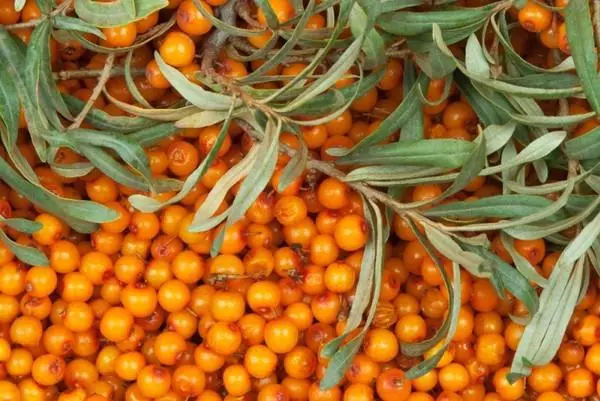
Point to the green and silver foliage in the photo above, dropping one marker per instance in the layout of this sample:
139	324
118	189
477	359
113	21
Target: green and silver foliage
501	86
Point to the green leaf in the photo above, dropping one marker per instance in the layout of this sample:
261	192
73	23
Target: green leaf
150	205
409	23
403	113
449	248
325	81
22	225
414	126
38	75
193	93
340	361
496	136
19	4
201	119
521	263
580	34
499	206
105	121
449	153
128	150
285	49
109	166
509	278
75	24
471	169
325	103
480	74
487	112
294	168
435	64
13	55
116	13
137	96
151	136
585	146
256	180
373	46
28	255
221	189
77	213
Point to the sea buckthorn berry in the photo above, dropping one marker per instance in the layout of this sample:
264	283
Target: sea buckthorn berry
26	330
351	232
459	115
532	250
453	377
300	363
120	36
381	345
191	20
260	361
333	194
224	338
545	378
40	281
48	370
153	381
505	389
283	10
339	277
178	49
392	385
116	324
490	349
411	328
236	380
263	296
392	75
51	231
173	295
281	335
534	17
227	306
289	210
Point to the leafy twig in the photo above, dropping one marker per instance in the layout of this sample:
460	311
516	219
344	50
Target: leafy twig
95	93
34	22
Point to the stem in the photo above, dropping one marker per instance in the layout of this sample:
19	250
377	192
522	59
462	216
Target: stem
79	74
217	39
95	93
596	21
34	22
244	12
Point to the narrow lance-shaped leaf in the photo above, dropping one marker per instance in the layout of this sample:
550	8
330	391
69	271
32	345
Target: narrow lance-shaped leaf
195	94
580	34
147	204
394	121
26	254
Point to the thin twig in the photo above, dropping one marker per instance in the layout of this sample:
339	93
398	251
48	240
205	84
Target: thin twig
80	74
245	13
34	22
217	39
597	21
95	93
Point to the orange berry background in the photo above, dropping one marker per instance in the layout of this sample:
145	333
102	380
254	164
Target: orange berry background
231	200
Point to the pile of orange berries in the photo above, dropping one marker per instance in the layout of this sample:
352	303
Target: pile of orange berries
139	311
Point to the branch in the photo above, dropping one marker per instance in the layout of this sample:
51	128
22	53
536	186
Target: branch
79	74
34	22
95	93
